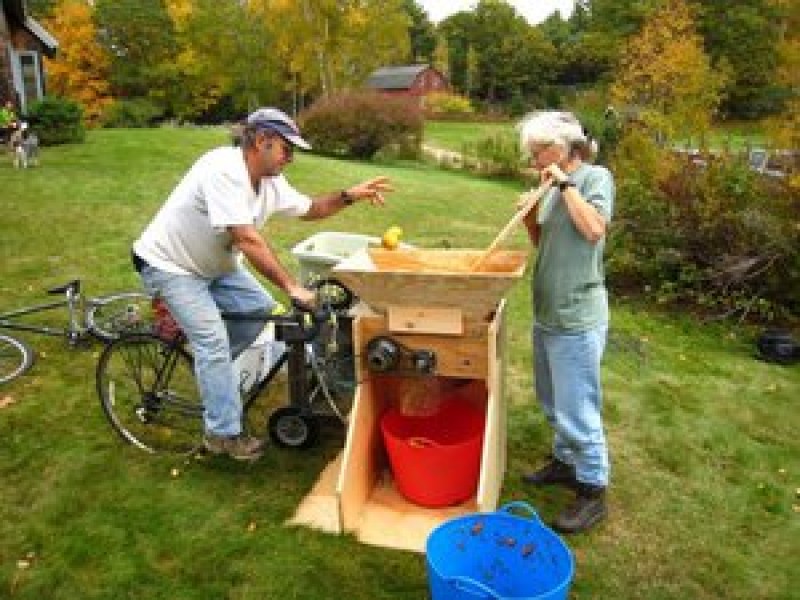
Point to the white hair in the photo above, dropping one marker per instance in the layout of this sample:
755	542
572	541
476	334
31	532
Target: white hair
554	127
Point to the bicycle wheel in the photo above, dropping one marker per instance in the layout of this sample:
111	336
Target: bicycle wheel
16	357
107	317
148	393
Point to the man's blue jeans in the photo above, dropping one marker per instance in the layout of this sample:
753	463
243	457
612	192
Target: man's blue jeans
567	375
196	303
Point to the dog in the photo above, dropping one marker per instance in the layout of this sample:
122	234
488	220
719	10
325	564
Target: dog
25	146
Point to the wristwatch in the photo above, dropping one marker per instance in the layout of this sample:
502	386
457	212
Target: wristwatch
346	198
563	185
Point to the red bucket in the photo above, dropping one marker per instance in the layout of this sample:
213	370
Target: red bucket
435	458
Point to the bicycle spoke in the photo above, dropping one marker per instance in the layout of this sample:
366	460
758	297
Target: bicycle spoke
148	393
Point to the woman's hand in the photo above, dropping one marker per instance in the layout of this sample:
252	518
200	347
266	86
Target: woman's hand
553	175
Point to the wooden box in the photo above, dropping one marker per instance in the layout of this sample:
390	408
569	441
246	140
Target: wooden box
431	300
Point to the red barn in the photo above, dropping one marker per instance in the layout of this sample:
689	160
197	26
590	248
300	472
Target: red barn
409	80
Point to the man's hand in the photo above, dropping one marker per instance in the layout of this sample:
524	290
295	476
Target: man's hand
372	190
302	295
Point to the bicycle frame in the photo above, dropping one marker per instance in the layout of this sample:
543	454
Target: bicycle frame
73	332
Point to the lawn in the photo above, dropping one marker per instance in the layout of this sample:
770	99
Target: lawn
705	451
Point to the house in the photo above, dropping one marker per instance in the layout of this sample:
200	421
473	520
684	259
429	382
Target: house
409	80
22	43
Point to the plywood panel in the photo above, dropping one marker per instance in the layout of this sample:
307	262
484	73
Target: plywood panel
493	462
463	356
361	463
390	521
412	319
431	278
320	508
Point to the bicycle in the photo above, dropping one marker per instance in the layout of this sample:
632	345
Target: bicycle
101	317
147	390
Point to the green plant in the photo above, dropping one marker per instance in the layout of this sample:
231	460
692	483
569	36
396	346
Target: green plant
446	103
135	113
497	154
57	121
359	124
719	238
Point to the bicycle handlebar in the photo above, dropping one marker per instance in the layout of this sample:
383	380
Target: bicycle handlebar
302	329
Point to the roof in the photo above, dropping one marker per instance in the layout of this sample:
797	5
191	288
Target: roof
395	78
18	11
48	41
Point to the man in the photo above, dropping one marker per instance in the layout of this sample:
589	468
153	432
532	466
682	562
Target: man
190	255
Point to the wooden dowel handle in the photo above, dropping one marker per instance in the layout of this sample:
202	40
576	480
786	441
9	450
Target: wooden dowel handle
533	200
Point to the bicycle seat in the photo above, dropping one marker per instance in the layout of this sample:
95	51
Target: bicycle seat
74	285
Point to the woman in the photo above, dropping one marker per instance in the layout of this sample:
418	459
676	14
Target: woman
570	306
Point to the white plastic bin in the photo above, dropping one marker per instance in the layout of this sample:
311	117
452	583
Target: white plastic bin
322	251
256	361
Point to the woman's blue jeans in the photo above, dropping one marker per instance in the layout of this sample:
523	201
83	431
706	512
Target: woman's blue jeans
196	303
567	376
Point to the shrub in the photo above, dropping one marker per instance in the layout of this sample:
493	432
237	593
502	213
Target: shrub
445	103
721	238
57	121
135	113
494	155
359	124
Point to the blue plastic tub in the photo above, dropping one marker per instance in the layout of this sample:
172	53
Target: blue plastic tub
498	555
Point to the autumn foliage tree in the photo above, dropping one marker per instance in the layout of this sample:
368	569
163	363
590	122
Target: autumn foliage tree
665	73
80	71
785	129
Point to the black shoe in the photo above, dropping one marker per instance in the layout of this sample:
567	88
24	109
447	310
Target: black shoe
588	509
554	472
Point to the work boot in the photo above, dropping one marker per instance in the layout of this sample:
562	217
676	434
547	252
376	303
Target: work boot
588	508
554	472
239	447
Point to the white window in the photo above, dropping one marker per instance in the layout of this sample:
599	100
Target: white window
27	76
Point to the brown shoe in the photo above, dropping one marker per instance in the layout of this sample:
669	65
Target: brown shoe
239	447
588	509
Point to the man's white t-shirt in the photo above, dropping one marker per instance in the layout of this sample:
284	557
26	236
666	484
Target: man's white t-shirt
189	234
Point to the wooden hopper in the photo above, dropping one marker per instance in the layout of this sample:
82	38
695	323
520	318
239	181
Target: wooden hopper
434	279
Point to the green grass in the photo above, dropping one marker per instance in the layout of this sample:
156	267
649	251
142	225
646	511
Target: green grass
705	451
453	135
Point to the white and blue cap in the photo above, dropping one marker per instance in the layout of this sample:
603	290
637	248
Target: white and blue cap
279	122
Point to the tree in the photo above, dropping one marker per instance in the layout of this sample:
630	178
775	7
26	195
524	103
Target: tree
744	34
785	127
230	54
329	45
665	73
41	9
512	55
81	68
140	37
421	33
457	30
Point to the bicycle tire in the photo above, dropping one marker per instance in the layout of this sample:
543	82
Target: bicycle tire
148	393
16	357
110	316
